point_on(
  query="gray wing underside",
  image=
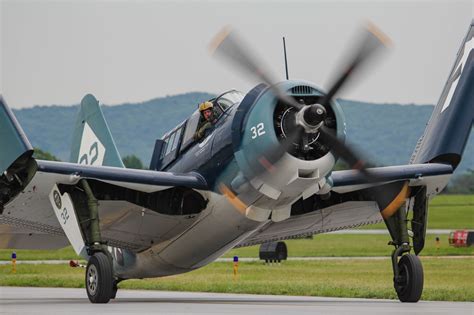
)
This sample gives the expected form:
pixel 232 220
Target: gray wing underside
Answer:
pixel 342 216
pixel 28 222
pixel 352 214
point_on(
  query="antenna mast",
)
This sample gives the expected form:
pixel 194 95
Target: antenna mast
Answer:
pixel 286 61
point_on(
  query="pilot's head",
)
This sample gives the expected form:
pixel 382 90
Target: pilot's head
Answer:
pixel 206 110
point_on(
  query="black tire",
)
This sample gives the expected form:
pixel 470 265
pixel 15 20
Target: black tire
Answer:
pixel 410 283
pixel 99 278
pixel 114 290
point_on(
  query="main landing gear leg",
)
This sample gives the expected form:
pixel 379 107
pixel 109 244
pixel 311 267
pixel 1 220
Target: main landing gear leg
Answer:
pixel 101 285
pixel 407 268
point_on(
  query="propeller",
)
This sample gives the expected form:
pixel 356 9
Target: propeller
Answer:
pixel 310 118
pixel 228 45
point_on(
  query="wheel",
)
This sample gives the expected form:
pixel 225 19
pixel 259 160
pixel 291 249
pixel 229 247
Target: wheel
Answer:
pixel 409 284
pixel 99 278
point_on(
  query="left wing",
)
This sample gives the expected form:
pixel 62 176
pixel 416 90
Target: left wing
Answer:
pixel 434 175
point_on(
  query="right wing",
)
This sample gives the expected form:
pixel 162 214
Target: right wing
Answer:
pixel 137 207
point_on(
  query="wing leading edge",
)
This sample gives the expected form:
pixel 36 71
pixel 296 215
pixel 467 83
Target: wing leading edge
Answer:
pixel 435 176
pixel 128 198
pixel 143 180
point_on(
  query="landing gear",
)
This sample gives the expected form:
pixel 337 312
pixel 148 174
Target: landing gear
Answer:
pixel 114 289
pixel 101 285
pixel 407 268
pixel 99 279
pixel 409 284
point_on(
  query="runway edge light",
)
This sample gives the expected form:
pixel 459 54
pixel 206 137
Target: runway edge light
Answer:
pixel 236 267
pixel 13 262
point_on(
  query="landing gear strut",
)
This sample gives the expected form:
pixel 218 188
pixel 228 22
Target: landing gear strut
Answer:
pixel 101 285
pixel 407 268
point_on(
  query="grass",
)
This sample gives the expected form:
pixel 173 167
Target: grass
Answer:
pixel 322 245
pixel 446 212
pixel 66 253
pixel 347 245
pixel 445 279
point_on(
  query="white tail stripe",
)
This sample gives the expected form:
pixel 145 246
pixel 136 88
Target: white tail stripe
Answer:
pixel 92 151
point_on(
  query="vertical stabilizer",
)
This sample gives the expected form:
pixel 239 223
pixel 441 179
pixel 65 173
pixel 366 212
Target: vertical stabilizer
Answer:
pixel 92 141
pixel 450 125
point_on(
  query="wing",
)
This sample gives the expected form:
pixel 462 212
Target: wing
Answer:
pixel 136 209
pixel 353 201
pixel 435 176
pixel 132 204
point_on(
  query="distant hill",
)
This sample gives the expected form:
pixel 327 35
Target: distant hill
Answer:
pixel 385 133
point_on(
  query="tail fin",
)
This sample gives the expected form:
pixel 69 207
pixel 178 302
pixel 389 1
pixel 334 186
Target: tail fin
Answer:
pixel 92 143
pixel 450 124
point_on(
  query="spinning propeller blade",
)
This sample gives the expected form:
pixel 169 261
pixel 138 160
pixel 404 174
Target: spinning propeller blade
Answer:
pixel 229 46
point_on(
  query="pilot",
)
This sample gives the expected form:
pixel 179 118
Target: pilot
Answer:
pixel 207 111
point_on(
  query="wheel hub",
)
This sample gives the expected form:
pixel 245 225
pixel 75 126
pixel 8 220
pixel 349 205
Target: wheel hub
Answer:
pixel 92 280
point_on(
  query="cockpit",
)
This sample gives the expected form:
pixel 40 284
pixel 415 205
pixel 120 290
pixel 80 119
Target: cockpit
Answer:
pixel 181 138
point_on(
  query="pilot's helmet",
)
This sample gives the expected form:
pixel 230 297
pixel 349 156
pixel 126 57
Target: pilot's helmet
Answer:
pixel 205 105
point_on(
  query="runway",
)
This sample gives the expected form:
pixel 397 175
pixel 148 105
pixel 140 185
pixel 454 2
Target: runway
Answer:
pixel 15 300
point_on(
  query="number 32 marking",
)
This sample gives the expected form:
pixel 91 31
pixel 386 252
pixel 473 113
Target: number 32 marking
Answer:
pixel 64 215
pixel 258 130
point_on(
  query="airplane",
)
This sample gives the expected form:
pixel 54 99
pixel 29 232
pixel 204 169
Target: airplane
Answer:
pixel 262 173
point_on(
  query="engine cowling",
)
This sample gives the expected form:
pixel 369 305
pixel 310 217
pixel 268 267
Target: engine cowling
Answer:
pixel 302 170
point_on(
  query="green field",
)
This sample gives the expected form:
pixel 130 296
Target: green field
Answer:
pixel 347 245
pixel 445 212
pixel 445 279
pixel 322 245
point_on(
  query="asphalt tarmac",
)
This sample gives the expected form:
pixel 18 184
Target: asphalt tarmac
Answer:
pixel 14 300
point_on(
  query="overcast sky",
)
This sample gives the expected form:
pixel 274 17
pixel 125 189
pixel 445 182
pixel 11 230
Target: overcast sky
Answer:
pixel 127 51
